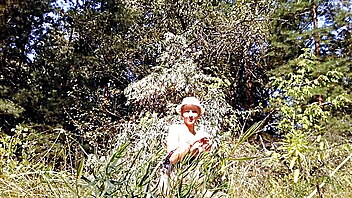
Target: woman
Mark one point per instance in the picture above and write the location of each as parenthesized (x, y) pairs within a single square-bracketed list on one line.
[(184, 139)]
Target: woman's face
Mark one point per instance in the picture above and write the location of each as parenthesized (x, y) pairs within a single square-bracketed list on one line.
[(190, 114)]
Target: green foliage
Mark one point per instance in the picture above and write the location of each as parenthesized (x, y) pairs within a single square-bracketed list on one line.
[(294, 28), (302, 117), (310, 93), (104, 77), (233, 167), (17, 22), (28, 160), (134, 169), (7, 107)]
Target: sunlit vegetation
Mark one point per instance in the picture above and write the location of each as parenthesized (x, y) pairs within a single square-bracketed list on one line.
[(89, 88)]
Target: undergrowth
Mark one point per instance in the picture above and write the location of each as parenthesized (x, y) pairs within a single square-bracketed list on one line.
[(238, 165)]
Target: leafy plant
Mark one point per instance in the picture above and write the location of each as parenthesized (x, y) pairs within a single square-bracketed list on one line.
[(302, 116)]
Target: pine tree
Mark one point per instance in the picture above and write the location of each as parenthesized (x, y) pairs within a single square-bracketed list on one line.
[(325, 28)]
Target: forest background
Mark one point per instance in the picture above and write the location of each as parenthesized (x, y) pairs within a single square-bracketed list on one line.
[(88, 90)]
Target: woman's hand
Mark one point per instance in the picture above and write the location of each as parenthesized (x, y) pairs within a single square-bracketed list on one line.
[(205, 143), (200, 145), (196, 148)]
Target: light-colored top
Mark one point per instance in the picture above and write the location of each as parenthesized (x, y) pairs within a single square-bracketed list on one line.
[(180, 137)]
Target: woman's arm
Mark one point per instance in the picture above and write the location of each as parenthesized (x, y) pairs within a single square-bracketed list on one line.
[(179, 153), (174, 144), (193, 149)]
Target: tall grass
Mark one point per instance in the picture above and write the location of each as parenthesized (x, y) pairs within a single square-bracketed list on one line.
[(235, 167)]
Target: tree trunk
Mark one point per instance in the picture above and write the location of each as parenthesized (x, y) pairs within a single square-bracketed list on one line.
[(315, 30)]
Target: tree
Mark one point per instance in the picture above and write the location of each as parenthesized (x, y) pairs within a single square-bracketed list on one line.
[(230, 37), (21, 22), (324, 26), (310, 82), (296, 27)]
